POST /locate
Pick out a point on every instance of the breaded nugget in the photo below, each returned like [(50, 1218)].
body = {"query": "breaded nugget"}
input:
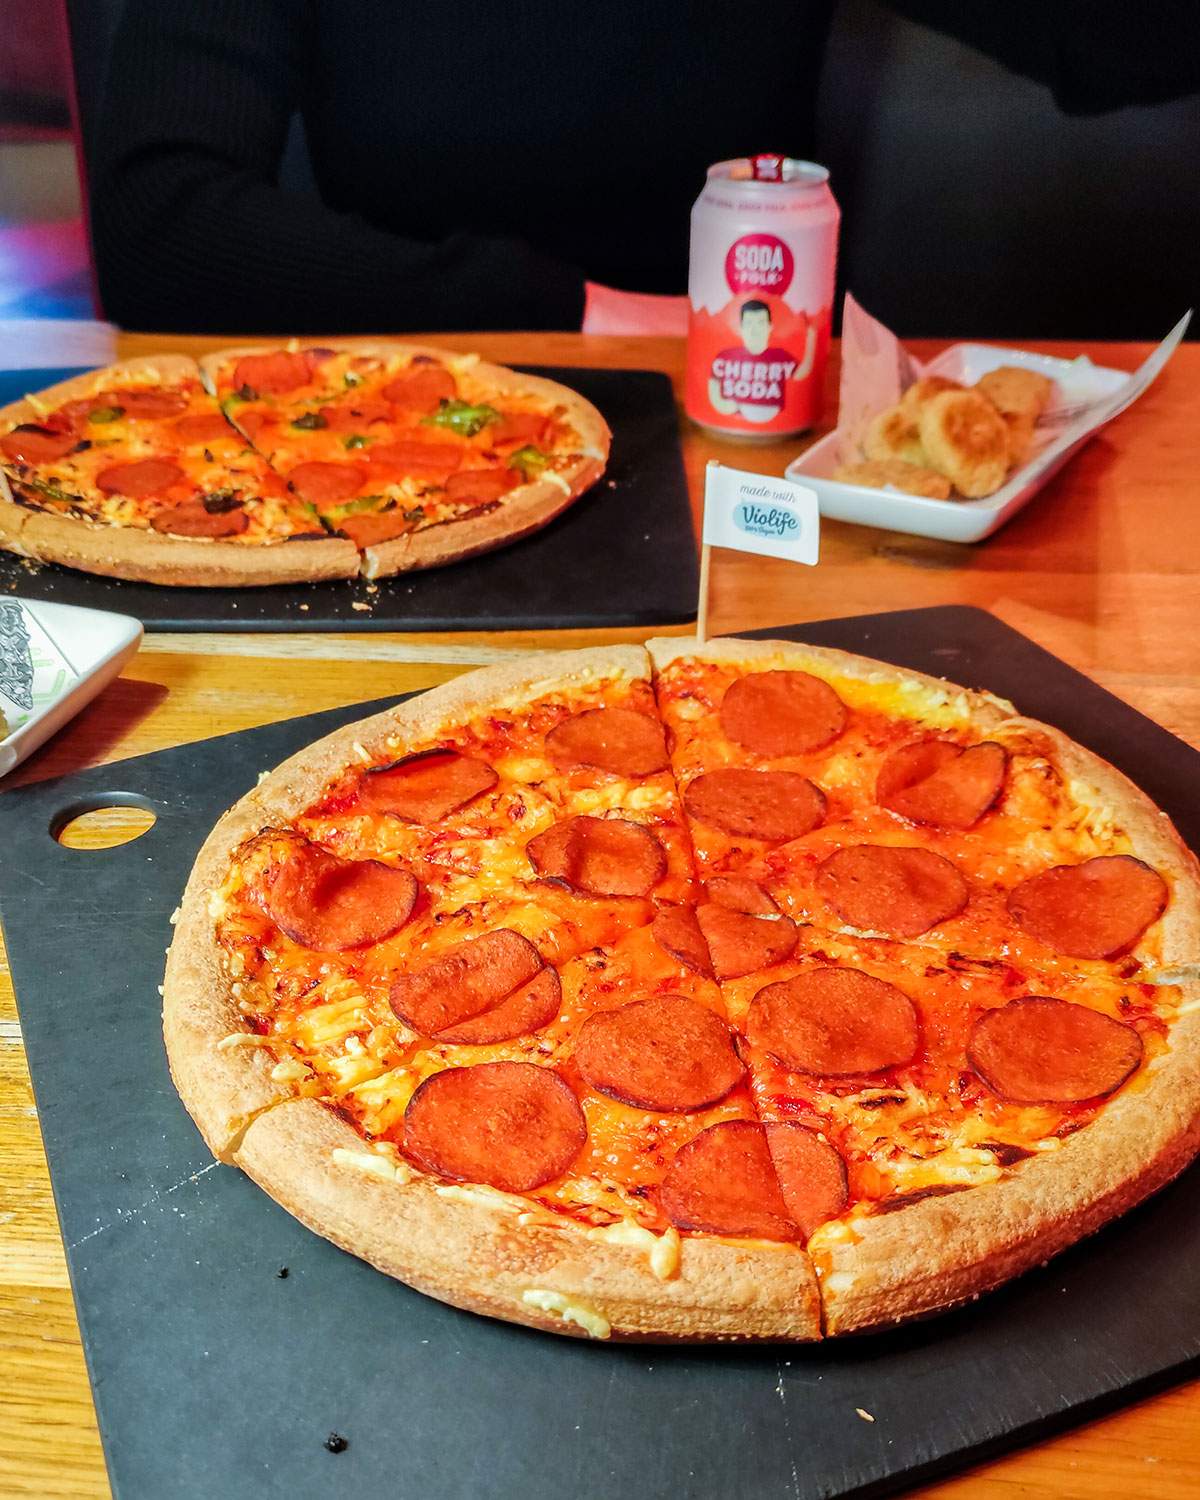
[(967, 440), (911, 478), (1011, 389), (892, 433), (1020, 426), (922, 390)]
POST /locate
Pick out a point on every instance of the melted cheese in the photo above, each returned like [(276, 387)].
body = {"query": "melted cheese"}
[(594, 1324), (374, 1166), (333, 1022), (965, 1165), (662, 1250), (481, 1197), (291, 1070), (242, 1039), (617, 797)]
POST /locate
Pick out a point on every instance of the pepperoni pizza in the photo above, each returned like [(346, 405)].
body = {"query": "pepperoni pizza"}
[(750, 990), (285, 465)]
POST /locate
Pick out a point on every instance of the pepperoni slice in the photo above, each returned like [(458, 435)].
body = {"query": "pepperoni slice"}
[(782, 713), (473, 977), (426, 787), (811, 1173), (834, 1022), (421, 388), (941, 784), (739, 944), (31, 444), (526, 1010), (191, 519), (723, 1181), (677, 932), (1097, 909), (481, 486), (356, 418), (150, 405), (666, 1053), (140, 480), (416, 456), (511, 1125), (326, 483), (600, 856), (203, 427), (771, 805), (369, 530), (323, 902), (252, 422), (619, 740), (272, 374), (898, 891), (518, 427), (72, 416), (740, 894), (1041, 1051)]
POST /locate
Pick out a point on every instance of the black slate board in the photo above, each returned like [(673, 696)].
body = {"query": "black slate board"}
[(213, 1377), (623, 554)]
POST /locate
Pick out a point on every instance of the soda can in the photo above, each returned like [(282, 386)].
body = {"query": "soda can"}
[(760, 291)]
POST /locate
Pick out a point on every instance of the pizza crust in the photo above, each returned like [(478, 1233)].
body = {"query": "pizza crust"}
[(475, 1255), (945, 1250), (522, 511), (985, 710), (148, 557), (224, 1087)]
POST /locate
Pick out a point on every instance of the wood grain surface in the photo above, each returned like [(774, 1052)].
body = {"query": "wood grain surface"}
[(1101, 569)]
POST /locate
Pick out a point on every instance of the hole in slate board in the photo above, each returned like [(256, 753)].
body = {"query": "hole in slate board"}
[(103, 822)]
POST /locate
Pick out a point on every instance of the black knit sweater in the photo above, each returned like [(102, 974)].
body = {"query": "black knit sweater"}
[(475, 162)]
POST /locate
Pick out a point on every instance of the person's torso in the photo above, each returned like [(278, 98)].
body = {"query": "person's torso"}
[(585, 129)]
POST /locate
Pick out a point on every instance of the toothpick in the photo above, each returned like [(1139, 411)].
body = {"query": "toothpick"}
[(702, 602)]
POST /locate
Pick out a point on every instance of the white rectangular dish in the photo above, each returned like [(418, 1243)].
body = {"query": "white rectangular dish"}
[(54, 658), (1088, 396)]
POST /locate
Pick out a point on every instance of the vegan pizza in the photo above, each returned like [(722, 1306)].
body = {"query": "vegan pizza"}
[(744, 990), (290, 464)]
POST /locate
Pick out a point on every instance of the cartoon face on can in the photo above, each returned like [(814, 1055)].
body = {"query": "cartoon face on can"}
[(751, 379)]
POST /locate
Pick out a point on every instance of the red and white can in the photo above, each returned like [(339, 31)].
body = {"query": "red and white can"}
[(760, 287)]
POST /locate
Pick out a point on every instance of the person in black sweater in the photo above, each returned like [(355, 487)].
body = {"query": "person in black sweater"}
[(489, 166)]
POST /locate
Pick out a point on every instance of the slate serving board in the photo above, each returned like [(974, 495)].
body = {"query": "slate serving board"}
[(213, 1376), (623, 554)]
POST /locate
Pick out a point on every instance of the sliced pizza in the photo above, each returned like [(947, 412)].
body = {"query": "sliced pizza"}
[(134, 472), (163, 470), (743, 991)]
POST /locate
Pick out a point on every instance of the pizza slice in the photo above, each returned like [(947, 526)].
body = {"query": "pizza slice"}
[(532, 798), (133, 470), (391, 443), (871, 800), (953, 1090)]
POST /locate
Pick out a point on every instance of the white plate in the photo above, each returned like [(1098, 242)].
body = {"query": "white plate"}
[(1063, 431), (54, 658)]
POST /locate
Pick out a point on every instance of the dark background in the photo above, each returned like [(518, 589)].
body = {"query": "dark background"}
[(1080, 226)]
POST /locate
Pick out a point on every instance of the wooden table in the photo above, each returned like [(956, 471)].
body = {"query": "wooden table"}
[(1101, 569)]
